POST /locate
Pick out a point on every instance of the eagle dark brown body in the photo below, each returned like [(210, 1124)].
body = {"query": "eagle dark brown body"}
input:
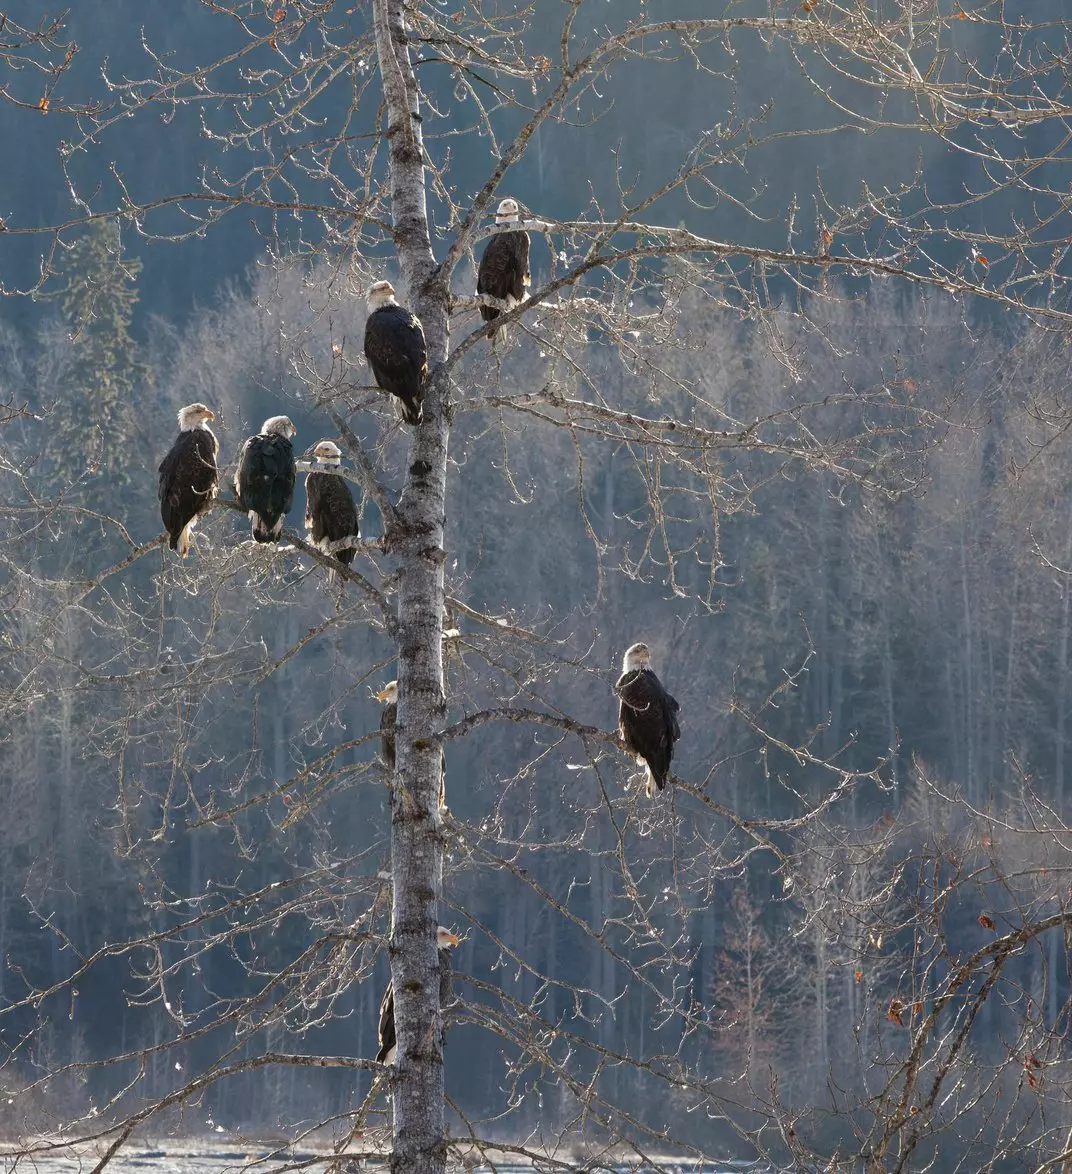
[(396, 351), (330, 510), (647, 717), (189, 478)]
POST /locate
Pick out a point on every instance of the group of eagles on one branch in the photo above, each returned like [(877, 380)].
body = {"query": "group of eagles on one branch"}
[(397, 356)]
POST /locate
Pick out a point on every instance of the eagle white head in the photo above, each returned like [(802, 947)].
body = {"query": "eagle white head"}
[(388, 694), (381, 294), (636, 657), (278, 426), (444, 939), (195, 416), (507, 212), (327, 452)]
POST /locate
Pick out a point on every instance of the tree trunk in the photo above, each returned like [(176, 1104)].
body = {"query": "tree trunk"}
[(415, 536), (1010, 678), (1062, 685), (969, 781)]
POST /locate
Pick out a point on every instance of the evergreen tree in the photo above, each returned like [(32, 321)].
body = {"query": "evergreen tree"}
[(94, 418)]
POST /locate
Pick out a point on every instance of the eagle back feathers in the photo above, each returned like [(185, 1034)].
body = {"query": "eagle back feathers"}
[(388, 720), (386, 1028), (265, 480)]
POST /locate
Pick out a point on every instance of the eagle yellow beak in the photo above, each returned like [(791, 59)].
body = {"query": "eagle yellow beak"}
[(210, 415), (452, 938), (381, 695)]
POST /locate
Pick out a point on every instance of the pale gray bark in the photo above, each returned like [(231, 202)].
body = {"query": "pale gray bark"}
[(1062, 680), (415, 537), (970, 780)]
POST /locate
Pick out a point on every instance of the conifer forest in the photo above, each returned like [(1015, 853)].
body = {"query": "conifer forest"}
[(785, 397)]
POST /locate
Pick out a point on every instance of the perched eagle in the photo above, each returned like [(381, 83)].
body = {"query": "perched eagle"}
[(504, 267), (445, 940), (396, 350), (389, 695), (264, 480), (388, 719), (647, 717), (330, 513), (189, 478)]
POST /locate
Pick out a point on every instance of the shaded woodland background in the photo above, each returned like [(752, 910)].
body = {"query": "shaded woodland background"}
[(926, 629)]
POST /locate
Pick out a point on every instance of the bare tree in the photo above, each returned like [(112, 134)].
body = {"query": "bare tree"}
[(664, 388)]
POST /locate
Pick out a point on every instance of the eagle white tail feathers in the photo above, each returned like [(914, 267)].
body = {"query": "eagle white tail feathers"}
[(183, 544), (325, 546), (650, 786), (261, 532), (411, 413), (502, 335)]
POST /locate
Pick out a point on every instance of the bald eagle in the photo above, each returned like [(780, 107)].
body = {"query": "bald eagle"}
[(647, 717), (388, 1052), (388, 719), (504, 268), (396, 350), (389, 695), (264, 480), (330, 513), (189, 477)]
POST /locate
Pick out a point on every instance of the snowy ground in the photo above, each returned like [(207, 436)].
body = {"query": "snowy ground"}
[(174, 1159), (208, 1158)]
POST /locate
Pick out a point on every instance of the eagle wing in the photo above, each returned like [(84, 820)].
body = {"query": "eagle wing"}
[(388, 719), (445, 979), (398, 357), (385, 1032), (395, 346), (265, 478)]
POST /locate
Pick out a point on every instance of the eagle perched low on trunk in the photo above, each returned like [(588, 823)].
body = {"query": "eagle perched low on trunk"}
[(189, 477), (388, 1050), (388, 721)]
